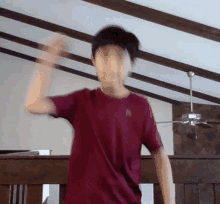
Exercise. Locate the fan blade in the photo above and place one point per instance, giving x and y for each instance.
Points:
(203, 125)
(169, 122)
(167, 125)
(213, 122)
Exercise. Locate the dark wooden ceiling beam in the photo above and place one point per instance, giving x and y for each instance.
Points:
(88, 38)
(89, 76)
(133, 75)
(160, 17)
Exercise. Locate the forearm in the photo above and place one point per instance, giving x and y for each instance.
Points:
(42, 80)
(164, 173)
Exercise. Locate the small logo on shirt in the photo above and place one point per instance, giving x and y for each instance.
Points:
(128, 113)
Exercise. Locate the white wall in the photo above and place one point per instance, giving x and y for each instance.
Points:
(21, 130)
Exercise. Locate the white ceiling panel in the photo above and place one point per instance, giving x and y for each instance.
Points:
(165, 92)
(179, 46)
(40, 35)
(177, 77)
(204, 12)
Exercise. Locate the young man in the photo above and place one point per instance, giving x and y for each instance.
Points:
(111, 123)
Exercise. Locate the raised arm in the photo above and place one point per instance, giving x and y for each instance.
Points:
(37, 101)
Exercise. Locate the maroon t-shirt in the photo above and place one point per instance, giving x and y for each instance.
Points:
(105, 160)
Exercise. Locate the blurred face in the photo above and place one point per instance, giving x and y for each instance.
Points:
(112, 64)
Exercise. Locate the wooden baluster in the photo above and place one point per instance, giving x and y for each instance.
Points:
(217, 192)
(158, 196)
(191, 194)
(18, 195)
(206, 193)
(33, 194)
(179, 194)
(63, 188)
(14, 194)
(5, 193)
(10, 194)
(21, 194)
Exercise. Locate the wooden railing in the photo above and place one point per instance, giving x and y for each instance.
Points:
(197, 179)
(16, 193)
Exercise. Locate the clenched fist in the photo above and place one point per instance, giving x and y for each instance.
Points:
(56, 49)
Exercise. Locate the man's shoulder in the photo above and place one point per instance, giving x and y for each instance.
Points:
(140, 95)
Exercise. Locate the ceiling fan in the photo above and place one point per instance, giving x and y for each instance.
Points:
(192, 118)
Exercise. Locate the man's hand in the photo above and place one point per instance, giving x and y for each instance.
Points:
(56, 49)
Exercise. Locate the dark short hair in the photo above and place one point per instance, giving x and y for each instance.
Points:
(116, 35)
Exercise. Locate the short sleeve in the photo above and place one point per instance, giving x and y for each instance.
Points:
(66, 105)
(151, 136)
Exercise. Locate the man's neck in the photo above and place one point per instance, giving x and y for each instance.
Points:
(115, 92)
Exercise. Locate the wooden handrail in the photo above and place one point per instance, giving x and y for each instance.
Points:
(189, 174)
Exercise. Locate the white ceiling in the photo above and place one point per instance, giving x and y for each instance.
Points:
(154, 38)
